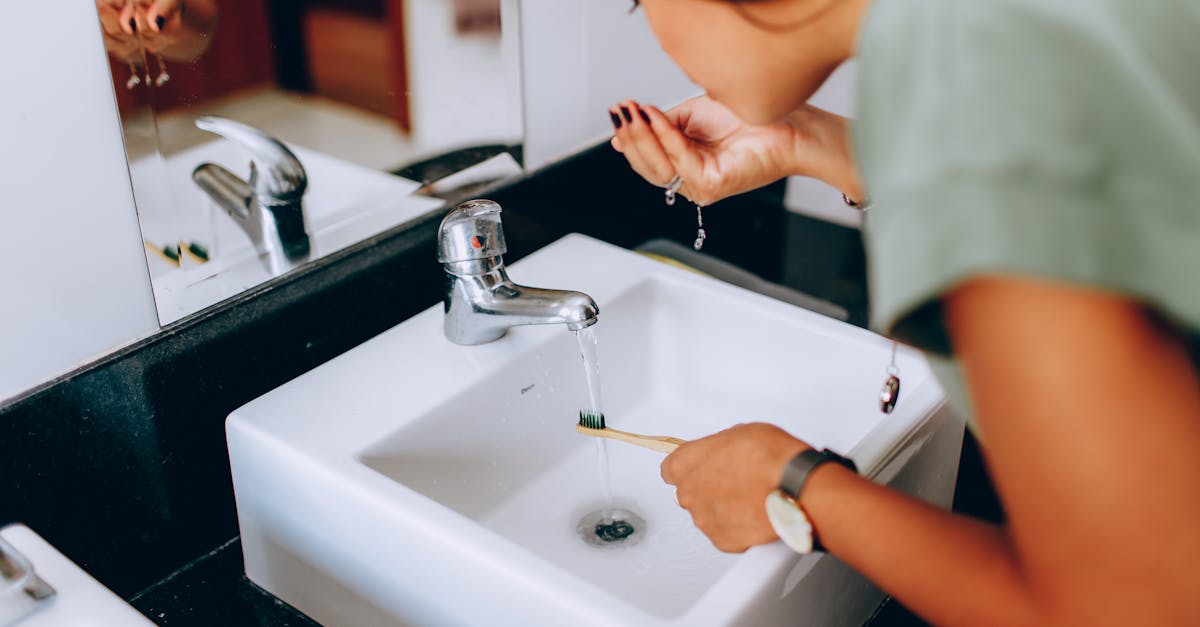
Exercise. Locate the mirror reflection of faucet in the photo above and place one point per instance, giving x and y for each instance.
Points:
(269, 205)
(481, 302)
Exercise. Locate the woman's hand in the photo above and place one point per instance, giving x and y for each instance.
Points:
(717, 155)
(119, 39)
(723, 481)
(175, 29)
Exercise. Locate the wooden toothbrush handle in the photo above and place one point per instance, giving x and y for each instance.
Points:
(660, 443)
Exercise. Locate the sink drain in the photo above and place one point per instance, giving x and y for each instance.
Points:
(611, 527)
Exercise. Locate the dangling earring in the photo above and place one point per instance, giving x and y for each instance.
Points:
(891, 386)
(163, 77)
(135, 79)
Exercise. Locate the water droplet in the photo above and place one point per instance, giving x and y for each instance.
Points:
(504, 420)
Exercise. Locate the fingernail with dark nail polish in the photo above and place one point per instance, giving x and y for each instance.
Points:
(628, 116)
(616, 120)
(645, 117)
(161, 21)
(133, 24)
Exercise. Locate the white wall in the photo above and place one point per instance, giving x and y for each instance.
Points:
(579, 57)
(73, 272)
(463, 90)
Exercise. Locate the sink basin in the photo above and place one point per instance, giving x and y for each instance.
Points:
(411, 481)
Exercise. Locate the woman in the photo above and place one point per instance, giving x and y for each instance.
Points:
(1034, 169)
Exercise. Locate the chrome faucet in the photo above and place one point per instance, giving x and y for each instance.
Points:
(22, 591)
(481, 302)
(268, 207)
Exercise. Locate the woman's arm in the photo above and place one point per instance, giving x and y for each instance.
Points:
(1089, 410)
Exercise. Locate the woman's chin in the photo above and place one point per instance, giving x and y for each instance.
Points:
(756, 111)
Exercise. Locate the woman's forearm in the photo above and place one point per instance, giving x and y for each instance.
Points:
(825, 152)
(951, 569)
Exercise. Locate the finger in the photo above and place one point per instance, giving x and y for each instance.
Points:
(667, 470)
(110, 19)
(129, 23)
(646, 143)
(616, 124)
(163, 12)
(629, 147)
(680, 151)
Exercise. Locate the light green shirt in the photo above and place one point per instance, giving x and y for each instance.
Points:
(1053, 138)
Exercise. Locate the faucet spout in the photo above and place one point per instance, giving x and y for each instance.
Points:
(268, 206)
(482, 308)
(481, 302)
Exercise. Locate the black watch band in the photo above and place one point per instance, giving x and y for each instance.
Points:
(800, 468)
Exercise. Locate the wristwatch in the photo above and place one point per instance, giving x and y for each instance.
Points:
(783, 505)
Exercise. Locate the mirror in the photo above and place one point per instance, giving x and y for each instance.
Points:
(263, 134)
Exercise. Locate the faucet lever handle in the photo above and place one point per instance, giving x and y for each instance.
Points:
(277, 176)
(470, 232)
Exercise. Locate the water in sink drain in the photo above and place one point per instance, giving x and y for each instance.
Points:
(611, 527)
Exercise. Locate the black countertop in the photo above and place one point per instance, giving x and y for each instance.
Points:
(122, 464)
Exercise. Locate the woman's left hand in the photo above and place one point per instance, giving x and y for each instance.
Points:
(723, 481)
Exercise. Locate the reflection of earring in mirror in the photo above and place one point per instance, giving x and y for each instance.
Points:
(135, 79)
(891, 386)
(163, 77)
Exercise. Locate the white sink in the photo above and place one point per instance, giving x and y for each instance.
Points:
(415, 482)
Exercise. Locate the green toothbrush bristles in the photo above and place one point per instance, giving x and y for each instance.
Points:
(591, 419)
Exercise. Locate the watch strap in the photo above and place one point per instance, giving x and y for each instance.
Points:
(799, 469)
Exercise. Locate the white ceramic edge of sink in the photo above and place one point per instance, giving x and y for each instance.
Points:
(337, 455)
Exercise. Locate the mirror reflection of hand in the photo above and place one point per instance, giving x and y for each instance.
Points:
(119, 39)
(175, 29)
(165, 16)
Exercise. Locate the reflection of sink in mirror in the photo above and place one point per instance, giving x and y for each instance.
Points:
(412, 481)
(343, 204)
(382, 85)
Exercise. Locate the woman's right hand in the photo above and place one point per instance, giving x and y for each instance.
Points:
(718, 155)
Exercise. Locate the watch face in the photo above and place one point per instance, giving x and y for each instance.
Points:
(790, 522)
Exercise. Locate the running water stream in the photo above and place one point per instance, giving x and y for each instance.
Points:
(610, 525)
(589, 351)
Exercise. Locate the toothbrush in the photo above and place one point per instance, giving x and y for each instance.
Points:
(592, 423)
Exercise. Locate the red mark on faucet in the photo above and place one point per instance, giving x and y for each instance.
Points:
(476, 242)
